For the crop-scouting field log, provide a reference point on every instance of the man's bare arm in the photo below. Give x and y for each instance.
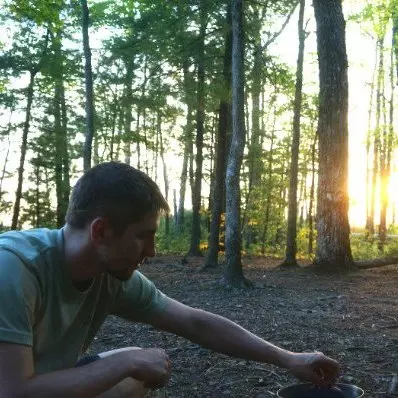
(17, 379)
(220, 334)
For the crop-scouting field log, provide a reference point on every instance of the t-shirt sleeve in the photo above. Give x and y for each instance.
(138, 299)
(18, 298)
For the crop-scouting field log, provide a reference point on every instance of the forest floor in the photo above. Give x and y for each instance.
(351, 317)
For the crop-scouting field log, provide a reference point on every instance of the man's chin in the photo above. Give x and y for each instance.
(122, 275)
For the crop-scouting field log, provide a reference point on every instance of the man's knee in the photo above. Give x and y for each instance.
(128, 387)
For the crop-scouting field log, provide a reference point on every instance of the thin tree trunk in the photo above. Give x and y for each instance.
(233, 241)
(3, 172)
(291, 241)
(37, 194)
(127, 110)
(88, 76)
(113, 128)
(376, 139)
(194, 249)
(187, 148)
(65, 152)
(333, 240)
(223, 129)
(369, 227)
(24, 145)
(383, 167)
(58, 156)
(165, 175)
(269, 185)
(312, 198)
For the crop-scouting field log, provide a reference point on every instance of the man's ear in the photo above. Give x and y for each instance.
(100, 230)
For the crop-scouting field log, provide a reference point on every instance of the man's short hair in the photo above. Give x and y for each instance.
(117, 191)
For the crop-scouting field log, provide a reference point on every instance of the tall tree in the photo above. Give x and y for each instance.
(194, 249)
(88, 76)
(333, 239)
(223, 128)
(291, 244)
(33, 69)
(233, 240)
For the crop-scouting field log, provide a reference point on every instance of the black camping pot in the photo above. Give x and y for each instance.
(310, 391)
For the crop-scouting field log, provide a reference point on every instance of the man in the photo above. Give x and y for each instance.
(58, 286)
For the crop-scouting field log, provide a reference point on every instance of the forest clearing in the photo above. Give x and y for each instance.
(352, 317)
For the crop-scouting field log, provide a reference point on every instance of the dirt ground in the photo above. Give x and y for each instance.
(352, 317)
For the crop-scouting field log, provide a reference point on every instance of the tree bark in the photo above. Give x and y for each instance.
(233, 275)
(3, 171)
(369, 227)
(88, 77)
(24, 146)
(194, 249)
(60, 129)
(164, 166)
(333, 240)
(128, 100)
(312, 197)
(187, 147)
(291, 242)
(223, 129)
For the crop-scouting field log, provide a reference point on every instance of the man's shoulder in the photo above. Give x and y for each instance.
(29, 244)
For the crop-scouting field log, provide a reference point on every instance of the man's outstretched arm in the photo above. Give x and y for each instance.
(220, 334)
(17, 379)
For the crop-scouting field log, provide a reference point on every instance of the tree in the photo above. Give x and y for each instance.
(33, 70)
(223, 129)
(333, 242)
(89, 87)
(291, 244)
(194, 249)
(233, 241)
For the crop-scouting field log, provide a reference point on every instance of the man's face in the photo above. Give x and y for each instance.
(122, 255)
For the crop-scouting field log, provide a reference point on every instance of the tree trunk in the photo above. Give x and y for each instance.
(291, 242)
(223, 129)
(383, 164)
(187, 147)
(113, 128)
(269, 185)
(376, 139)
(65, 152)
(233, 241)
(60, 129)
(194, 249)
(165, 175)
(395, 36)
(88, 76)
(37, 195)
(312, 197)
(24, 143)
(369, 227)
(333, 241)
(3, 171)
(24, 146)
(128, 100)
(58, 157)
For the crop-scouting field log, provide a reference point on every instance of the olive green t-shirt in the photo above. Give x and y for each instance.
(41, 308)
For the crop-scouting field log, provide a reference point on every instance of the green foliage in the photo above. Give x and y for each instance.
(364, 249)
(41, 12)
(175, 242)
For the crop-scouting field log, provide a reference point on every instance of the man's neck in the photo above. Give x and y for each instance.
(79, 256)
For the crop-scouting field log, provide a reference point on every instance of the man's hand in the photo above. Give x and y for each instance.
(152, 366)
(314, 367)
